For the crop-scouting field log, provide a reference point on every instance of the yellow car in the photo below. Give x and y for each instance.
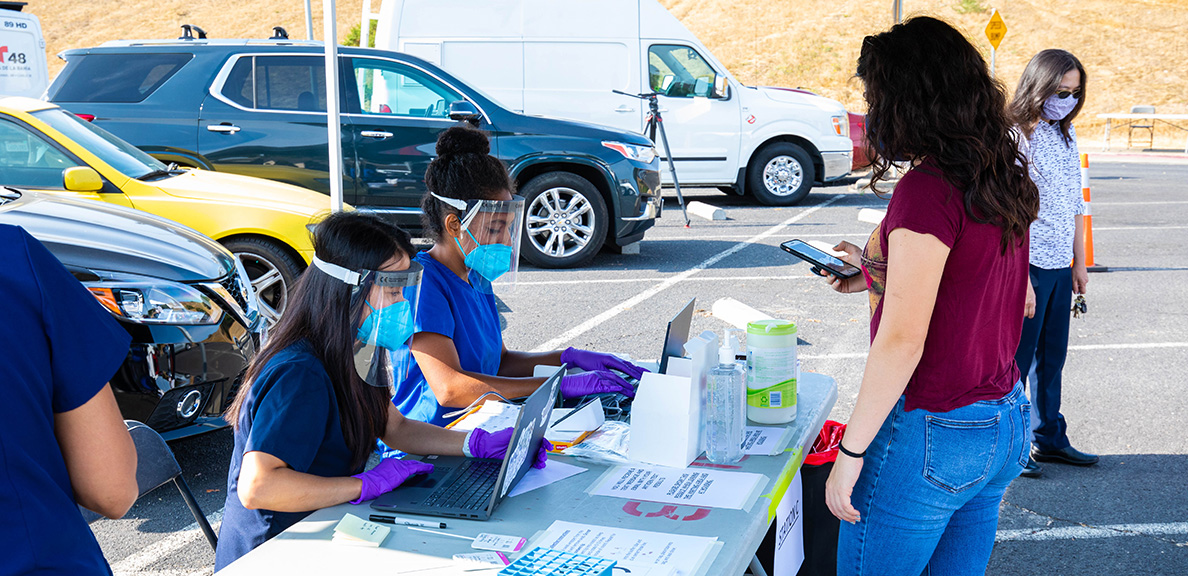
(264, 223)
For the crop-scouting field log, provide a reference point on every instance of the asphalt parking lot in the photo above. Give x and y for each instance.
(1124, 382)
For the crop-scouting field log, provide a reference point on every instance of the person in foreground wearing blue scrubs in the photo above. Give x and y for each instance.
(317, 397)
(458, 355)
(62, 440)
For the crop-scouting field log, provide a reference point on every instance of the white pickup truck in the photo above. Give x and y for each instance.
(564, 58)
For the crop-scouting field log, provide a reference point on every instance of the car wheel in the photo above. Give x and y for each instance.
(272, 271)
(565, 220)
(781, 174)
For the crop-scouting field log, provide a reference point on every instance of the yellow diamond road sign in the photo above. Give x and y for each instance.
(996, 29)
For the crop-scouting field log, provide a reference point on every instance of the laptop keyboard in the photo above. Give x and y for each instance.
(470, 489)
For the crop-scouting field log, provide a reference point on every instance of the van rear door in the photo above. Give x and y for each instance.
(23, 69)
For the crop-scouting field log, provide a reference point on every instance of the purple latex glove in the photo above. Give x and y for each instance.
(483, 444)
(387, 475)
(597, 382)
(587, 360)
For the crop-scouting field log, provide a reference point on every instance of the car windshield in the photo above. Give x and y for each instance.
(115, 152)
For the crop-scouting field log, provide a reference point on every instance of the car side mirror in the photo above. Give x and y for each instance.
(721, 87)
(465, 111)
(81, 179)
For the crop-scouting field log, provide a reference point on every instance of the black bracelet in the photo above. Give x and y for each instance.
(850, 454)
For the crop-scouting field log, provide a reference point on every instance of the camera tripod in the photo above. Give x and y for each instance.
(654, 122)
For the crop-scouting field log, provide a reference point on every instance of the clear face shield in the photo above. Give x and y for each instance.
(383, 311)
(490, 240)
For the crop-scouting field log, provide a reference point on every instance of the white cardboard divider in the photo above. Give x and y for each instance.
(666, 413)
(665, 418)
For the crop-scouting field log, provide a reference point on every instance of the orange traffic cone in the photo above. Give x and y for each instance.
(1089, 264)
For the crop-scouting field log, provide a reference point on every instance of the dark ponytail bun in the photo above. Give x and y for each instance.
(463, 170)
(463, 139)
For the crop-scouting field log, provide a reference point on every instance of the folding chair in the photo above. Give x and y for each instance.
(1149, 125)
(155, 465)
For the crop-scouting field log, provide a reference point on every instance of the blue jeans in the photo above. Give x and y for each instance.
(1043, 346)
(930, 488)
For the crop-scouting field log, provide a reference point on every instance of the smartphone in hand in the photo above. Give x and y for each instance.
(821, 261)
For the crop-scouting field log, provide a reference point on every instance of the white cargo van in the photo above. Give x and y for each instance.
(563, 58)
(23, 70)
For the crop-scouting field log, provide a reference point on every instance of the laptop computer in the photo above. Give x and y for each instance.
(471, 488)
(676, 335)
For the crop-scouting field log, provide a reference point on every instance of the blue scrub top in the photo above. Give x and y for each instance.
(58, 348)
(453, 308)
(290, 412)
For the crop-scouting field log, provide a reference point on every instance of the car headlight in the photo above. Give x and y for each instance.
(156, 302)
(635, 152)
(841, 125)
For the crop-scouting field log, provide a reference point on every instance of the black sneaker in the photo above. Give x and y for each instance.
(1032, 469)
(1067, 455)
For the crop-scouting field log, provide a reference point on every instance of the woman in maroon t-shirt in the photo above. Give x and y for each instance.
(940, 425)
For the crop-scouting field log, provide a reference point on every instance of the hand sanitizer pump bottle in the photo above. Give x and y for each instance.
(726, 414)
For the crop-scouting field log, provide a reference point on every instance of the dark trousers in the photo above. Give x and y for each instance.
(1044, 346)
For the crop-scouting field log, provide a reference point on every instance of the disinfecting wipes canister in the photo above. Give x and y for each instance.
(771, 371)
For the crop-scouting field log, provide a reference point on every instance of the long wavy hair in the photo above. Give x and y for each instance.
(322, 312)
(930, 96)
(1040, 80)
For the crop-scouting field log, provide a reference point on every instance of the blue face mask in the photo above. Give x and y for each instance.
(488, 260)
(1056, 108)
(395, 325)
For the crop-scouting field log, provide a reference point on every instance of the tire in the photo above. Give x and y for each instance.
(781, 174)
(272, 271)
(575, 234)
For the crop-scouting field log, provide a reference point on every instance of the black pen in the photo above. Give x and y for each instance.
(406, 521)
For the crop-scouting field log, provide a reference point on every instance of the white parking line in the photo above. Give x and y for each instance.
(1082, 347)
(660, 279)
(1140, 203)
(1110, 228)
(674, 280)
(1082, 532)
(737, 236)
(135, 563)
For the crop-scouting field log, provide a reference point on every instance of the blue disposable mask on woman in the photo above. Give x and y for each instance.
(395, 326)
(1056, 108)
(488, 260)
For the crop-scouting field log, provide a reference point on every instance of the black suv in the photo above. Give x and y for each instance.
(258, 108)
(183, 297)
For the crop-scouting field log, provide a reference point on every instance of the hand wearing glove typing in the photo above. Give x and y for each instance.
(385, 477)
(587, 360)
(482, 444)
(597, 382)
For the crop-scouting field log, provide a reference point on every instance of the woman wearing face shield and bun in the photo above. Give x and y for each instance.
(317, 396)
(458, 354)
(1050, 94)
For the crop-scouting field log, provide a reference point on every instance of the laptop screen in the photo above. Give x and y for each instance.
(677, 335)
(530, 430)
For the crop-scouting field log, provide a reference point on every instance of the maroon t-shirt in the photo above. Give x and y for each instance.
(969, 353)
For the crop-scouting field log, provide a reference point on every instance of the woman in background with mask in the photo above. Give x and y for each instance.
(316, 398)
(458, 355)
(1050, 94)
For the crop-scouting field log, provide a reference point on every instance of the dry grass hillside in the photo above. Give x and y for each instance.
(1136, 51)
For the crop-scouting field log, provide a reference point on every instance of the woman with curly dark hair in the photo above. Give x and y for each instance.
(939, 428)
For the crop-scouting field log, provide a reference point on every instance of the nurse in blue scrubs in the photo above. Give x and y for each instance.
(317, 397)
(458, 355)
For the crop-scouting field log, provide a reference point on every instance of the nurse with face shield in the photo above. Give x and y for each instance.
(317, 396)
(458, 355)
